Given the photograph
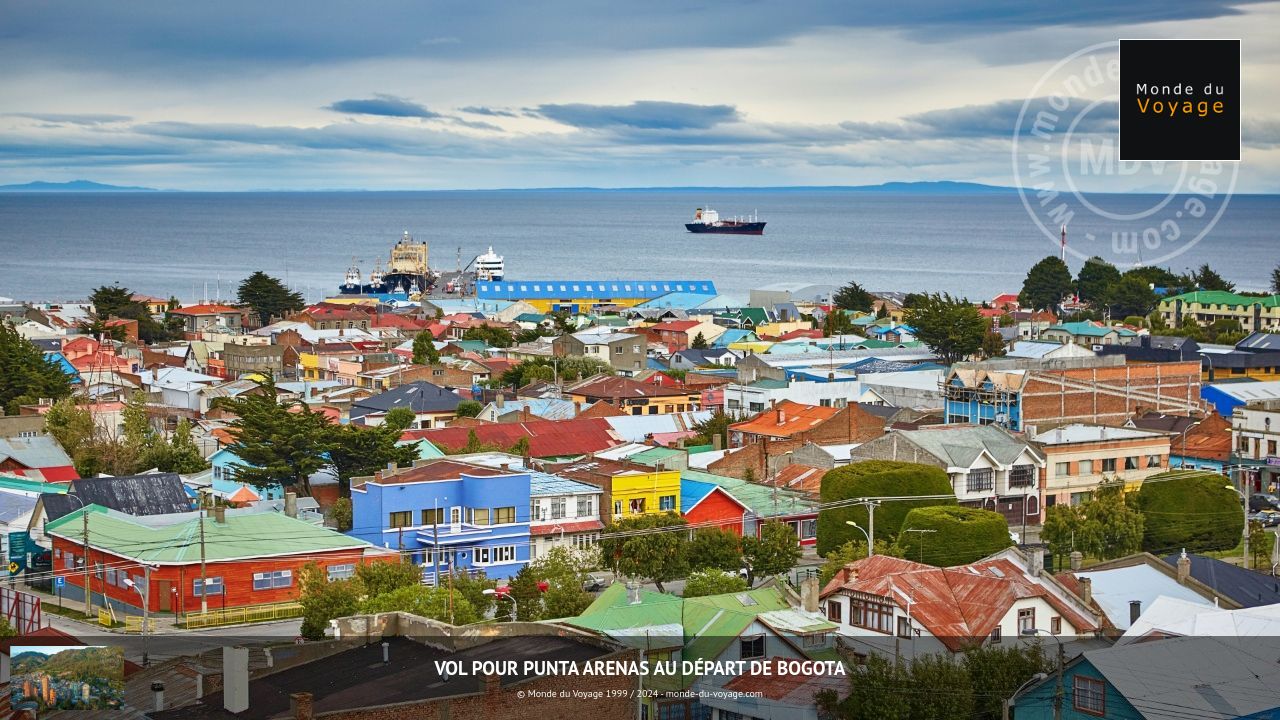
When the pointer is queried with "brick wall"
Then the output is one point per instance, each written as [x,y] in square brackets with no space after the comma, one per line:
[851,424]
[1114,394]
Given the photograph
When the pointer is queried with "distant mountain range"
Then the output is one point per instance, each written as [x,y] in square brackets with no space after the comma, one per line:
[72,186]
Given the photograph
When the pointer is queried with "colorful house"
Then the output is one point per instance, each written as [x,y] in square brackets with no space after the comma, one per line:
[225,466]
[628,489]
[706,504]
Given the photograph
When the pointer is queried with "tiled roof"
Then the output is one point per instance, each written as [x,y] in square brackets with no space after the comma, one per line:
[573,527]
[209,309]
[436,470]
[786,419]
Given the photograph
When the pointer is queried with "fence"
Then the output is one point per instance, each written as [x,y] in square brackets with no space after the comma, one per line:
[133,623]
[236,616]
[20,610]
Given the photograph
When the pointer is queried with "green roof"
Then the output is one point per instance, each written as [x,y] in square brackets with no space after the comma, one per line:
[17,483]
[760,499]
[426,449]
[654,455]
[1222,297]
[693,449]
[249,535]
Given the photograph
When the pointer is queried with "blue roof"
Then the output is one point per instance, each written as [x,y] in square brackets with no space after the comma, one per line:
[541,483]
[545,408]
[678,300]
[733,335]
[693,491]
[589,289]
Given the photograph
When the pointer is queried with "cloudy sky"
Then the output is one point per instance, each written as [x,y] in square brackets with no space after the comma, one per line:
[409,94]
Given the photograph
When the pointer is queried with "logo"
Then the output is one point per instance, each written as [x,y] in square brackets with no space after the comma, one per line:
[1180,100]
[1083,197]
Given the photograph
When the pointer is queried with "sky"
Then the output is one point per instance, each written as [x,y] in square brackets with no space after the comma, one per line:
[420,94]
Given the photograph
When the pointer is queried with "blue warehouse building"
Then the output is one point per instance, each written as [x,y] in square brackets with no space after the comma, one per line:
[580,296]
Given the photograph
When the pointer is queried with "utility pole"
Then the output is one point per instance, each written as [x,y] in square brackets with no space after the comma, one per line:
[871,506]
[88,589]
[204,581]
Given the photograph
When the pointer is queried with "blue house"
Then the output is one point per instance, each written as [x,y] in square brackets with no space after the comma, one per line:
[447,515]
[1188,677]
[225,466]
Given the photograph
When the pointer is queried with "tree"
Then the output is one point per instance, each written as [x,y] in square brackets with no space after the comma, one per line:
[267,297]
[424,349]
[359,450]
[1047,283]
[469,408]
[74,429]
[323,600]
[713,582]
[341,513]
[1105,526]
[472,587]
[1131,296]
[569,369]
[715,549]
[853,297]
[1096,279]
[281,443]
[774,552]
[380,578]
[564,570]
[837,322]
[958,535]
[26,375]
[1192,510]
[6,630]
[699,342]
[491,335]
[993,345]
[1207,279]
[876,478]
[113,301]
[186,456]
[715,426]
[436,603]
[952,328]
[852,551]
[657,555]
[1275,280]
[1260,543]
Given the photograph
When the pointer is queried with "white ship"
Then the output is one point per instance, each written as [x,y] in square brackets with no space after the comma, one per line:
[489,266]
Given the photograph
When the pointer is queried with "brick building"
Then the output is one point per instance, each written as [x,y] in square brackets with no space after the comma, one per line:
[1079,458]
[786,427]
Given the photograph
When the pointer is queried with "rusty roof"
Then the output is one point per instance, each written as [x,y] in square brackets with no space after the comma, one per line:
[431,471]
[786,419]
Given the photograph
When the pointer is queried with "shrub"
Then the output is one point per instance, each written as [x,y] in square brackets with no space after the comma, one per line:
[713,582]
[876,478]
[961,535]
[1192,510]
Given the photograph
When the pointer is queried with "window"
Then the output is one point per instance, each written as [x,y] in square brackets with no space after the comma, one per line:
[585,506]
[536,512]
[434,516]
[494,555]
[996,636]
[111,577]
[1026,620]
[808,529]
[1055,625]
[1086,467]
[504,515]
[752,647]
[557,508]
[479,516]
[980,480]
[904,627]
[667,502]
[1089,695]
[835,613]
[1062,469]
[401,519]
[617,507]
[69,561]
[1109,465]
[871,615]
[1153,461]
[341,572]
[212,585]
[1022,476]
[1131,462]
[637,506]
[618,350]
[269,580]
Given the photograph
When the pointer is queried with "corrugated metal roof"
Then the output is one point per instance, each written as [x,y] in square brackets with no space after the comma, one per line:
[547,438]
[589,289]
[1077,433]
[634,428]
[40,451]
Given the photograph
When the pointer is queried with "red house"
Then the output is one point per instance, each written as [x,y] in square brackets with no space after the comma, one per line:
[706,504]
[251,558]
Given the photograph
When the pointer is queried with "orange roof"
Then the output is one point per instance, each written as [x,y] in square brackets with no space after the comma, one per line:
[244,495]
[786,419]
[677,325]
[209,309]
[805,478]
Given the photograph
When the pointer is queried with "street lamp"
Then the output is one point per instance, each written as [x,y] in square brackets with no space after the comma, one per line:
[1006,704]
[1244,502]
[870,550]
[507,595]
[143,593]
[88,591]
[1057,693]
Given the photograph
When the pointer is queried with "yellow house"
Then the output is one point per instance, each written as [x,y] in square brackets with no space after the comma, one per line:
[309,365]
[755,346]
[778,329]
[629,490]
[1203,307]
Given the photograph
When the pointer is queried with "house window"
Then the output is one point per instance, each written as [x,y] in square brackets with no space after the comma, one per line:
[401,519]
[617,507]
[111,577]
[557,508]
[996,636]
[808,529]
[980,480]
[504,515]
[1109,465]
[872,615]
[1131,462]
[1026,620]
[904,627]
[1062,469]
[213,585]
[1086,467]
[637,506]
[667,502]
[584,506]
[1153,461]
[435,516]
[1089,695]
[269,580]
[835,613]
[1055,625]
[618,350]
[495,555]
[752,647]
[1022,476]
[341,572]
[479,516]
[536,512]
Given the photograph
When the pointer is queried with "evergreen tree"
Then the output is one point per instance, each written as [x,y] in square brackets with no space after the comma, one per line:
[656,556]
[1207,279]
[1275,280]
[853,297]
[1131,296]
[952,328]
[469,408]
[993,345]
[357,451]
[1047,283]
[267,297]
[424,349]
[1095,281]
[491,335]
[282,443]
[699,342]
[26,375]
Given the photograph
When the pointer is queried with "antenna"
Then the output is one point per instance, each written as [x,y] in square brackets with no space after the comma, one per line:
[1064,243]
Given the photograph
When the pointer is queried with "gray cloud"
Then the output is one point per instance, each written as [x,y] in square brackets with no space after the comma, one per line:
[491,112]
[72,118]
[384,106]
[642,114]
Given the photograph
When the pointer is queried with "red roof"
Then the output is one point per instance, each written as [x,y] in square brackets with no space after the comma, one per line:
[804,478]
[584,526]
[955,604]
[337,311]
[392,320]
[786,419]
[676,325]
[547,438]
[209,309]
[612,386]
[802,333]
[443,469]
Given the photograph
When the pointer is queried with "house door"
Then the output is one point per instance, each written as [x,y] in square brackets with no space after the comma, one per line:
[165,588]
[455,519]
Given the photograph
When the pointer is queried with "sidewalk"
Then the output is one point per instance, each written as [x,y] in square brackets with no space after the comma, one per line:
[164,622]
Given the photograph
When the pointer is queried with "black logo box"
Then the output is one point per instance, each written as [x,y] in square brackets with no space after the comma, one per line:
[1205,73]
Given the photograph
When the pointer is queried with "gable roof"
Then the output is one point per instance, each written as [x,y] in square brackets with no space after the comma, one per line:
[615,386]
[693,492]
[786,419]
[1245,587]
[206,309]
[421,397]
[38,452]
[547,438]
[150,494]
[960,445]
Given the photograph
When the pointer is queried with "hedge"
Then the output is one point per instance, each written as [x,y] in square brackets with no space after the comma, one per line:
[876,478]
[1192,510]
[960,535]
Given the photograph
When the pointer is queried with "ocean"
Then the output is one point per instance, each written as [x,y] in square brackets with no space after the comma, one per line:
[58,247]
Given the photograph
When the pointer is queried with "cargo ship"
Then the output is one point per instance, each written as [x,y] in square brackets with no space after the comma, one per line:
[708,221]
[407,273]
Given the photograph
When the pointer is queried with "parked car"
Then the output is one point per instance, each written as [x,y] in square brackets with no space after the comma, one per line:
[1263,501]
[593,584]
[1268,518]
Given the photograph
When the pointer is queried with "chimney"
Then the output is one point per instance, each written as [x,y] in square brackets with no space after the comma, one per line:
[386,653]
[505,465]
[1086,590]
[220,515]
[157,691]
[392,467]
[1077,560]
[500,401]
[235,679]
[809,594]
[1036,562]
[1184,568]
[291,504]
[782,415]
[577,408]
[525,415]
[633,592]
[1135,611]
[717,442]
[301,706]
